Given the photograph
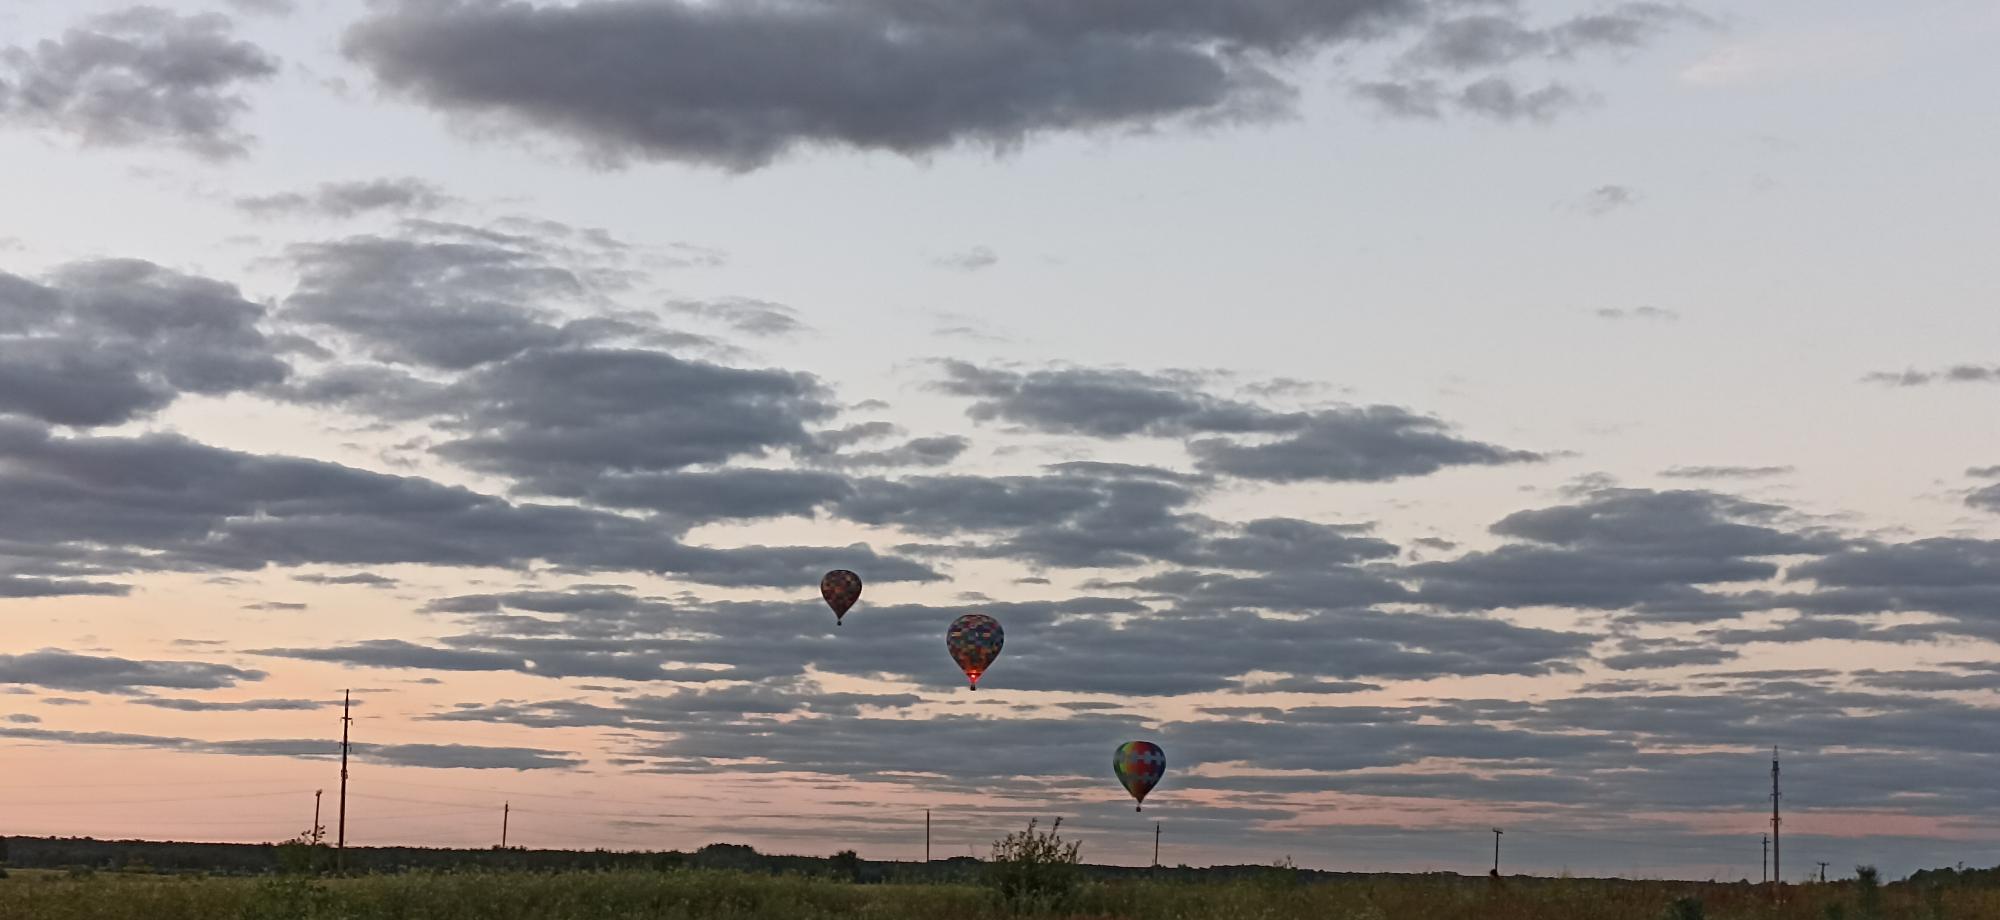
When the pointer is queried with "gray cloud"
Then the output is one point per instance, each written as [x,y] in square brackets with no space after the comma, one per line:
[368,579]
[442,297]
[1496,98]
[1500,99]
[1656,314]
[560,414]
[743,314]
[265,7]
[1985,498]
[971,260]
[1351,444]
[139,76]
[1605,199]
[186,705]
[1636,654]
[1105,403]
[1498,37]
[347,199]
[108,341]
[738,87]
[1957,373]
[1080,515]
[938,450]
[1627,549]
[57,669]
[436,756]
[83,506]
[731,87]
[1372,444]
[1726,472]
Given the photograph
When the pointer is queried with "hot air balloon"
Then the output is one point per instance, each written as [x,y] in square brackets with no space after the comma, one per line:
[974,640]
[1139,765]
[841,588]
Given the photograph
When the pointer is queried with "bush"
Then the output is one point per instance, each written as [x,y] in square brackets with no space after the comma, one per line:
[1867,893]
[1685,909]
[1034,871]
[846,864]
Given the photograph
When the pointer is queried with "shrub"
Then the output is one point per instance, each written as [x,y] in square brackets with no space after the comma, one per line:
[846,864]
[1867,893]
[1034,871]
[1685,909]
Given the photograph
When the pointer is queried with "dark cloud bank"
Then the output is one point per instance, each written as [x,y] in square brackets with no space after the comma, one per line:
[740,85]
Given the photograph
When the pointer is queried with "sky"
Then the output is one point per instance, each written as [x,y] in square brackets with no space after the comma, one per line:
[1416,416]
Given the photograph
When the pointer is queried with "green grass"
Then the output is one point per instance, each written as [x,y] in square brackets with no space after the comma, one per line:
[692,894]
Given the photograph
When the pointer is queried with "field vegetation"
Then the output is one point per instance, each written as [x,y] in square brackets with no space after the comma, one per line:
[688,894]
[1033,873]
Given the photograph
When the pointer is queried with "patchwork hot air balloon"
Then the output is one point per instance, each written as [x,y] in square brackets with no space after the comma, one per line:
[974,640]
[1139,765]
[841,588]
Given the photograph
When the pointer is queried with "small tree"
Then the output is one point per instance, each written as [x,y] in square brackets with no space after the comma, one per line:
[1035,871]
[306,854]
[846,864]
[1867,893]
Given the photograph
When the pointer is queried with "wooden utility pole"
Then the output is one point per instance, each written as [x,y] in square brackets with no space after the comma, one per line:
[505,808]
[1822,873]
[1156,844]
[340,847]
[1777,865]
[317,832]
[1496,852]
[927,836]
[1766,864]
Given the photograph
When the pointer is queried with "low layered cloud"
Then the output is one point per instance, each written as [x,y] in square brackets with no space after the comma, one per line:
[1957,373]
[1656,555]
[143,76]
[671,81]
[1345,444]
[108,341]
[92,506]
[350,199]
[434,756]
[57,669]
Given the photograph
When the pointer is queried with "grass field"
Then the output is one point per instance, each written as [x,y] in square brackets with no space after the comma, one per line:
[688,894]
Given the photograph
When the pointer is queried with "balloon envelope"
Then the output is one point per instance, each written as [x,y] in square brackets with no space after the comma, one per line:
[841,588]
[1139,765]
[974,640]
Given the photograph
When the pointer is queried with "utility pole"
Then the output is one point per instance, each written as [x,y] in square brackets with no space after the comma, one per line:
[1822,873]
[340,847]
[505,807]
[1766,864]
[927,836]
[317,830]
[1777,866]
[1156,844]
[1496,852]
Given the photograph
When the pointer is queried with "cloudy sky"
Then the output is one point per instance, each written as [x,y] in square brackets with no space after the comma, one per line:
[1415,415]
